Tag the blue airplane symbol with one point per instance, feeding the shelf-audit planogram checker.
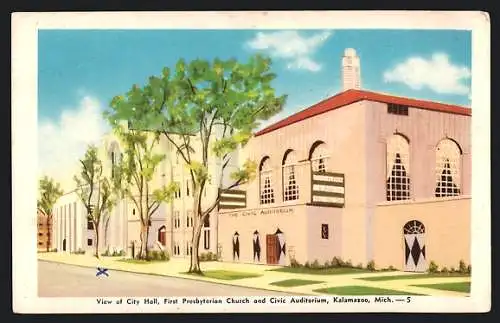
(102, 271)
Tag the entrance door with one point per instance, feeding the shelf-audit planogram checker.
(64, 244)
(161, 236)
(414, 241)
(272, 249)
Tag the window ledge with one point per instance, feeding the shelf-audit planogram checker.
(422, 201)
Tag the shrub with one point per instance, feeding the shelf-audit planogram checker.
(294, 263)
(462, 267)
(54, 250)
(122, 253)
(370, 265)
(469, 269)
(348, 264)
(327, 264)
(315, 264)
(359, 266)
(433, 267)
(445, 270)
(79, 252)
(335, 262)
(207, 256)
(307, 265)
(391, 268)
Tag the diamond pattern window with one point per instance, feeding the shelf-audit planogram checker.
(398, 168)
(448, 160)
(266, 185)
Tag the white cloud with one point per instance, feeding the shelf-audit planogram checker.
(62, 142)
(437, 74)
(296, 49)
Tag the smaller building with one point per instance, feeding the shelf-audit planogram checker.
(44, 232)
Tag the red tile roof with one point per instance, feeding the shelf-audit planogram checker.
(352, 96)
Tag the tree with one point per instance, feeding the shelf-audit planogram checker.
(137, 169)
(49, 193)
(97, 192)
(204, 108)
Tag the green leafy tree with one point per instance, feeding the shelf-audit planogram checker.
(204, 109)
(49, 192)
(137, 168)
(98, 193)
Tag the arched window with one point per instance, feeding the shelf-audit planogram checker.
(398, 168)
(266, 184)
(319, 157)
(290, 185)
(414, 227)
(161, 235)
(448, 155)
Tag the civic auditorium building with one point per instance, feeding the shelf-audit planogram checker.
(361, 175)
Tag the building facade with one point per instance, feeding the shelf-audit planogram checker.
(362, 176)
(44, 232)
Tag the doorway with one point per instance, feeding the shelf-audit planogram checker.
(64, 245)
(414, 245)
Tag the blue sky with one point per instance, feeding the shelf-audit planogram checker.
(81, 70)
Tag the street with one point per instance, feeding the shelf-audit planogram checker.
(60, 280)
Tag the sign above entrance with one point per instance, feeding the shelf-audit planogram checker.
(232, 199)
(273, 211)
(328, 189)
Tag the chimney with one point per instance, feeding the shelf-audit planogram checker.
(351, 70)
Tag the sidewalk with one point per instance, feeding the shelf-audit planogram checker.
(178, 267)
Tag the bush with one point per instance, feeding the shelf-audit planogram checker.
(106, 253)
(79, 252)
(392, 268)
(307, 265)
(294, 263)
(326, 264)
(370, 265)
(469, 269)
(207, 256)
(315, 264)
(54, 250)
(445, 270)
(336, 262)
(348, 264)
(359, 266)
(433, 267)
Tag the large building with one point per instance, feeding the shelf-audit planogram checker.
(170, 226)
(361, 176)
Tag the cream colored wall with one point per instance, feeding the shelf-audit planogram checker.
(447, 231)
(245, 225)
(318, 248)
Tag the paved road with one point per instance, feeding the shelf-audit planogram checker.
(60, 280)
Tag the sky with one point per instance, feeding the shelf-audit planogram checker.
(80, 71)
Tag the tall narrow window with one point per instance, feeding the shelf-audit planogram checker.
(319, 157)
(448, 156)
(187, 188)
(398, 168)
(206, 222)
(266, 188)
(290, 185)
(206, 239)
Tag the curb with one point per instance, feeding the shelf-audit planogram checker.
(182, 277)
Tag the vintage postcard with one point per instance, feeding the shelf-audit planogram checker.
(251, 162)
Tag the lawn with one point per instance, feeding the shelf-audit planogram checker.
(361, 291)
(227, 275)
(462, 287)
(322, 271)
(413, 276)
(295, 282)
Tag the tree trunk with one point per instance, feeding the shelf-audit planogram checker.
(144, 242)
(147, 238)
(106, 226)
(96, 230)
(198, 224)
(48, 233)
(195, 260)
